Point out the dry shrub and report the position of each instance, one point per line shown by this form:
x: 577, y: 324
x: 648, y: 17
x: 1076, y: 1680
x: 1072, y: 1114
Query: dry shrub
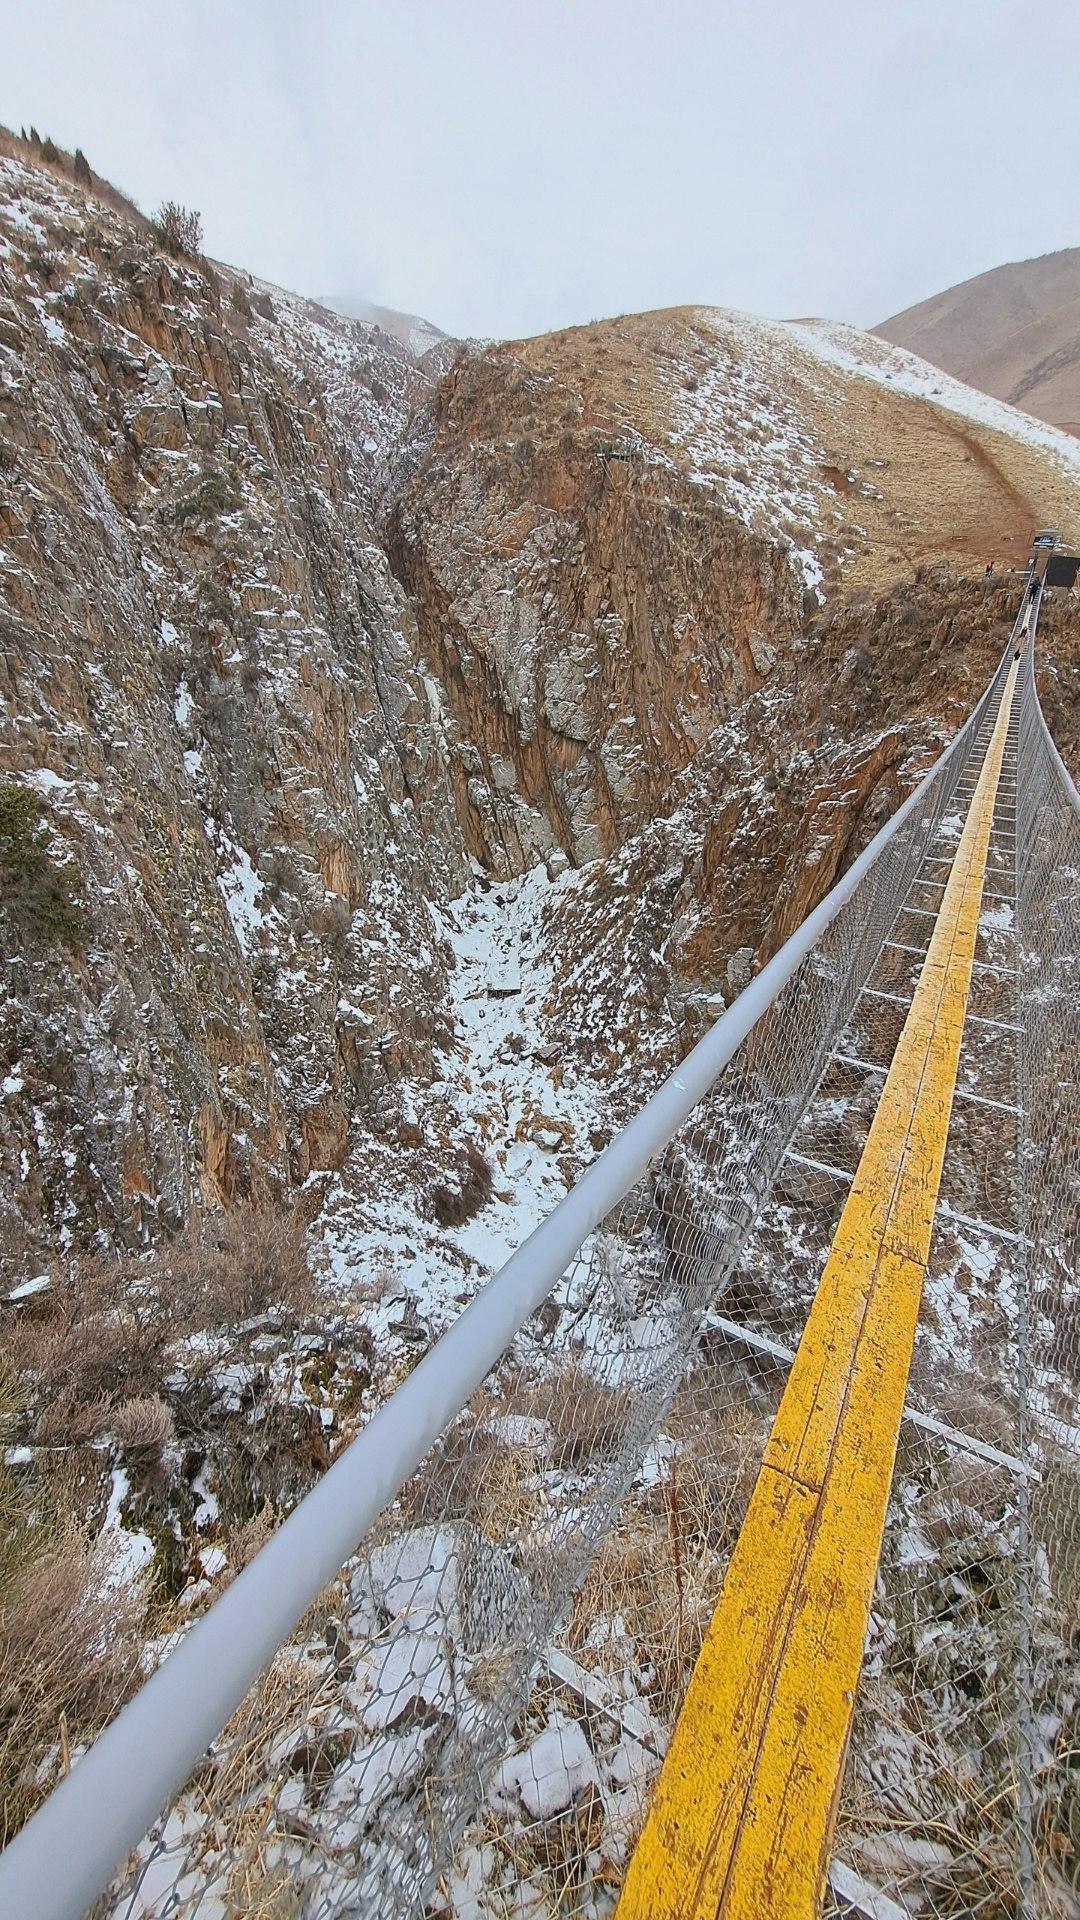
x: 69, y: 1657
x: 458, y: 1198
x: 239, y: 1265
x: 250, y: 1537
x: 97, y: 1337
x: 332, y: 921
x: 473, y: 1475
x: 178, y: 229
x: 144, y: 1431
x: 102, y: 1335
x: 721, y: 1438
x: 583, y: 1415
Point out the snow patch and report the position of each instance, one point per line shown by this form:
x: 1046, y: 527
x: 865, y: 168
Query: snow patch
x: 548, y: 1775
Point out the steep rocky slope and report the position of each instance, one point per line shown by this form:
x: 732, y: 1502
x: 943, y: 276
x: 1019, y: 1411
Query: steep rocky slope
x: 1013, y: 331
x: 693, y: 585
x: 211, y: 685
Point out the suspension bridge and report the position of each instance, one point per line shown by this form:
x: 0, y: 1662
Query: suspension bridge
x: 721, y: 1559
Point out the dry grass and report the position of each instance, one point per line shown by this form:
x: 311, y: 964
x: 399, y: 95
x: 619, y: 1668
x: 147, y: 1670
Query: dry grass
x: 244, y: 1786
x: 99, y: 1341
x: 69, y: 1656
x: 68, y: 1648
x: 661, y: 1567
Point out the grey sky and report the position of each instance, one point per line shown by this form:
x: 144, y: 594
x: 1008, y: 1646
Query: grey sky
x: 505, y: 166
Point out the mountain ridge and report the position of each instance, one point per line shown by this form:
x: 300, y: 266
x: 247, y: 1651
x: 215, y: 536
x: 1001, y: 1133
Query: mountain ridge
x: 1013, y: 331
x: 411, y: 329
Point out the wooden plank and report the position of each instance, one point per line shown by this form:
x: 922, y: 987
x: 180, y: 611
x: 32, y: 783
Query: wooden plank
x: 742, y: 1815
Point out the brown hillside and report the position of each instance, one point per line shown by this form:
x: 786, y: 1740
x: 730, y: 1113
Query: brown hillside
x: 1014, y: 332
x: 812, y: 435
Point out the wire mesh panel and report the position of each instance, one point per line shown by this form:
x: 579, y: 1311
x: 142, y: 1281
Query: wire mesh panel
x: 1048, y: 921
x: 469, y: 1720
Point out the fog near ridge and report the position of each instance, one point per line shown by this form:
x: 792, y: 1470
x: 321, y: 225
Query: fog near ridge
x: 504, y: 168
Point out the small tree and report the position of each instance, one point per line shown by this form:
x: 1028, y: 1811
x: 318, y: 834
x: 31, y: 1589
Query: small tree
x: 81, y: 169
x: 179, y: 229
x: 50, y: 151
x: 35, y: 893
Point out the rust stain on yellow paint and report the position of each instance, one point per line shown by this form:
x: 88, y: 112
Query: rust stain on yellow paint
x: 742, y: 1816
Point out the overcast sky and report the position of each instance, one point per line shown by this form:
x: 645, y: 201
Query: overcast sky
x: 506, y: 166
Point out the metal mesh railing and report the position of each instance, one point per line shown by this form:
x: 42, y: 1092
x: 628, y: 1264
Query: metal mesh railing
x: 934, y: 1815
x: 1048, y: 923
x: 474, y: 1710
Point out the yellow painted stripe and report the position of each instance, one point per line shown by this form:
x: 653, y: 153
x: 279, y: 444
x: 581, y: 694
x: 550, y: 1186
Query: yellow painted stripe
x: 742, y: 1816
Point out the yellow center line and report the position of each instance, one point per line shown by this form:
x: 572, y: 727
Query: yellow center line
x: 742, y: 1816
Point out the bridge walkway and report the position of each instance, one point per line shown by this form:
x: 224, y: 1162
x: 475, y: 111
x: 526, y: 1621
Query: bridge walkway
x: 917, y: 1105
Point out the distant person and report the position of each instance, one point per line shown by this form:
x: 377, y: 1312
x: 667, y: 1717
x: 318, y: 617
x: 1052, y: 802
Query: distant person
x: 989, y: 569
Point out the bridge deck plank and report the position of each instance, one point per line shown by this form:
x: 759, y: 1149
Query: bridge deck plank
x: 742, y: 1816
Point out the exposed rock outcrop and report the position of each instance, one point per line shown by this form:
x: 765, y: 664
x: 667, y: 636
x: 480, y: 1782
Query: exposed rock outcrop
x: 210, y: 680
x: 591, y: 620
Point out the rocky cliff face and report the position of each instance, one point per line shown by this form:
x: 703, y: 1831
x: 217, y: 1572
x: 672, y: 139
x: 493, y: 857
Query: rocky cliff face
x: 591, y: 622
x: 211, y: 684
x: 636, y: 674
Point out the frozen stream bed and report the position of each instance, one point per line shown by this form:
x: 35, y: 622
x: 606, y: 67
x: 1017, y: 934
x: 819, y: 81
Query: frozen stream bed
x: 504, y: 1087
